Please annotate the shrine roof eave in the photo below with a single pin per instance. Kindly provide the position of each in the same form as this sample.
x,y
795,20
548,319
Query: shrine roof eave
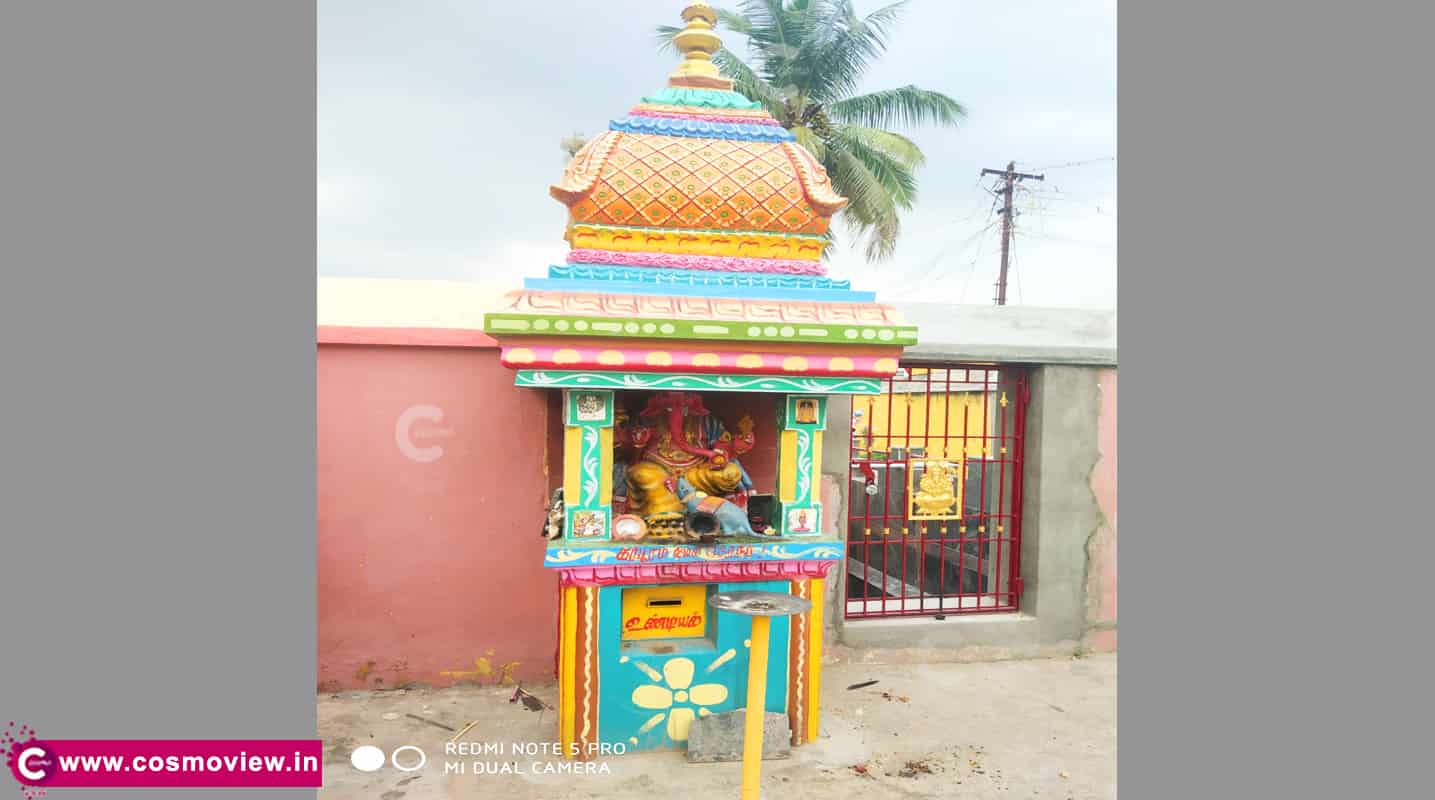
x,y
696,382
677,356
721,319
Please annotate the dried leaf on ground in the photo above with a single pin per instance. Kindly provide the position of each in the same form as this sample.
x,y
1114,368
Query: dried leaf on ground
x,y
530,702
915,768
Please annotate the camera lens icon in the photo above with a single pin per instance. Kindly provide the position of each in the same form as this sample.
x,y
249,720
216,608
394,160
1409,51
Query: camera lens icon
x,y
369,758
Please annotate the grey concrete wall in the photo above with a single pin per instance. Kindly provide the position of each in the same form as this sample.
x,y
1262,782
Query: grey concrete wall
x,y
1058,503
1060,516
1011,334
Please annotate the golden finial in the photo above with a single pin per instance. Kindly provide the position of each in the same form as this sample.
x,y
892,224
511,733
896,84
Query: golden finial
x,y
697,42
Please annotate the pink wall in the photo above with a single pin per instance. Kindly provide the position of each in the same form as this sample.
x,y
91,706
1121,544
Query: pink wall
x,y
431,490
1101,565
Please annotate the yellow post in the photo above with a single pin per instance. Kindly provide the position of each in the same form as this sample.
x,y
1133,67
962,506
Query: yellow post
x,y
787,467
756,710
814,659
568,669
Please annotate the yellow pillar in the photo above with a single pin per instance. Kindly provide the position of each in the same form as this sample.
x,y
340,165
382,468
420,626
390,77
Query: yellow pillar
x,y
573,464
567,669
756,710
787,467
814,658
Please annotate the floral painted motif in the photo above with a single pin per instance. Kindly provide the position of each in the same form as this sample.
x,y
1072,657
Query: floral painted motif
x,y
677,700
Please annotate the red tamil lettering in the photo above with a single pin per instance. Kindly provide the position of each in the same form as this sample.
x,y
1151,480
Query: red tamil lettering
x,y
664,623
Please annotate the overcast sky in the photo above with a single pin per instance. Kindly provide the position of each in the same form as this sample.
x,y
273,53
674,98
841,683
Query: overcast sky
x,y
440,122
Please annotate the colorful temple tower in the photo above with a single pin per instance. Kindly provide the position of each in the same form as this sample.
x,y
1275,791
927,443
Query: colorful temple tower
x,y
690,343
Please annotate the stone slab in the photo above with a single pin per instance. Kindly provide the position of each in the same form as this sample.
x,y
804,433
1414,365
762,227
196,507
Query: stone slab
x,y
719,737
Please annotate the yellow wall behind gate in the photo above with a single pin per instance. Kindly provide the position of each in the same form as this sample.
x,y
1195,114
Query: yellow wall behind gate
x,y
936,414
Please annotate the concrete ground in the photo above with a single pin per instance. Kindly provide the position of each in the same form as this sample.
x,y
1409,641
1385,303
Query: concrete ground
x,y
1008,729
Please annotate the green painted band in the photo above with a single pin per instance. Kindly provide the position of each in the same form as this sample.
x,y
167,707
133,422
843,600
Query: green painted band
x,y
717,330
713,383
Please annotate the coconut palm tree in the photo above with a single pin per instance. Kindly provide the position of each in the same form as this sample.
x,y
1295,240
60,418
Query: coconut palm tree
x,y
807,59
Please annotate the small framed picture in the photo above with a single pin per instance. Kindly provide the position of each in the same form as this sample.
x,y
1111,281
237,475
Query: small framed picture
x,y
806,413
802,520
592,407
589,524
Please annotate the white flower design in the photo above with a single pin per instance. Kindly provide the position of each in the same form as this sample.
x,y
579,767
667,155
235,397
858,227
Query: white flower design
x,y
679,700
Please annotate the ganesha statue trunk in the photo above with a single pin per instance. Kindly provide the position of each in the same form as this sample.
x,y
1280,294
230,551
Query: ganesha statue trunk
x,y
676,437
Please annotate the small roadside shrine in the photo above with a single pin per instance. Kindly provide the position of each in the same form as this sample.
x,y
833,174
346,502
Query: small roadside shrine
x,y
690,344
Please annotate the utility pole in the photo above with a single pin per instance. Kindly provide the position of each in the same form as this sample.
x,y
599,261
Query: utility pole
x,y
1009,176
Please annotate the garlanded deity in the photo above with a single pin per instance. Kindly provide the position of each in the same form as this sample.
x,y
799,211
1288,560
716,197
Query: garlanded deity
x,y
675,436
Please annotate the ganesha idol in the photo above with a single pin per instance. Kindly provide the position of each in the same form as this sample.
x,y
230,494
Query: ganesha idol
x,y
675,436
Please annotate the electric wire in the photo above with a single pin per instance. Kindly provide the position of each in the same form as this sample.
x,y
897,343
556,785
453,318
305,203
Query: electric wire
x,y
1073,164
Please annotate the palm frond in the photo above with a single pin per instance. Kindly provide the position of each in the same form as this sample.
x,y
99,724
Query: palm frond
x,y
831,244
664,34
811,142
769,23
867,199
733,21
903,106
871,210
776,34
880,22
894,145
842,46
727,20
882,240
895,177
804,61
749,84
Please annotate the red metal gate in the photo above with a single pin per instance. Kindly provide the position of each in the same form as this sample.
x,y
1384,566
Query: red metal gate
x,y
935,488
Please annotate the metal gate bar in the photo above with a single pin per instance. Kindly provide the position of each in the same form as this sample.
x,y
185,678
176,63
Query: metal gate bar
x,y
901,564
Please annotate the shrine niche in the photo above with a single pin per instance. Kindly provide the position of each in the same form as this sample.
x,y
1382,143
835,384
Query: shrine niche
x,y
675,440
